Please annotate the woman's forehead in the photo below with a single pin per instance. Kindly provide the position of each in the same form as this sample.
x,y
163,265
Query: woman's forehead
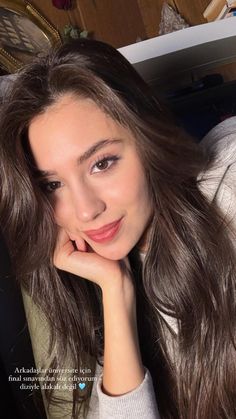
x,y
71,126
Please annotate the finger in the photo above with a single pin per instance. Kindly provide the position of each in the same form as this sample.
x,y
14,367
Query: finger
x,y
64,247
90,266
81,244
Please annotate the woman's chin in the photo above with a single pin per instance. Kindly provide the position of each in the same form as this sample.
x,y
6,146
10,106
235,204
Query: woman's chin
x,y
112,254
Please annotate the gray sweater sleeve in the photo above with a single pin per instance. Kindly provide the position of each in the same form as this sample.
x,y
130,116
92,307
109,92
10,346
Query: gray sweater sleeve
x,y
137,404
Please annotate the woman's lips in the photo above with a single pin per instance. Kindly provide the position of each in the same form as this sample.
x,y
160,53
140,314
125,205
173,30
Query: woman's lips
x,y
104,233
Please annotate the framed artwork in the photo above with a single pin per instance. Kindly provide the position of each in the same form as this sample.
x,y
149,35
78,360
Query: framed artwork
x,y
24,34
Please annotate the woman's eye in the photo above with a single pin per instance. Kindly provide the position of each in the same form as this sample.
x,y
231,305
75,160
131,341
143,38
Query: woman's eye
x,y
104,164
51,186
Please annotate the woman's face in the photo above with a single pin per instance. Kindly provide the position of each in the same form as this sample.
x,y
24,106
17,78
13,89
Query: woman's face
x,y
93,176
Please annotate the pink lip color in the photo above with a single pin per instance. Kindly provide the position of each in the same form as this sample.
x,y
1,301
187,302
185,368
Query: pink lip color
x,y
105,233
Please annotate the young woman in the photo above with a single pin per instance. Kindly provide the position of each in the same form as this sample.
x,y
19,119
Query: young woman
x,y
115,237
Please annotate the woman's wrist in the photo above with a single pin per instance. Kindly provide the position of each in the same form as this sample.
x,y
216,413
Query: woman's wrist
x,y
122,297
123,370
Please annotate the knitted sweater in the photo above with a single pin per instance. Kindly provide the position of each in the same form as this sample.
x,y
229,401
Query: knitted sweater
x,y
218,183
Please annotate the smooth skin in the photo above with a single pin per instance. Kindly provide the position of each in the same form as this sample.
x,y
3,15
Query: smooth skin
x,y
92,173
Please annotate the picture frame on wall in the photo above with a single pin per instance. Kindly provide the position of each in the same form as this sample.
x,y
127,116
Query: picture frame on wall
x,y
24,34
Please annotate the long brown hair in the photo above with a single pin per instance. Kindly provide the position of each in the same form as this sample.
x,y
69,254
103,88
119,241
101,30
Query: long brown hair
x,y
189,270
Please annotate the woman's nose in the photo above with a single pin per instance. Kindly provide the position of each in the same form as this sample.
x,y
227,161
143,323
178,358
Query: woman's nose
x,y
87,204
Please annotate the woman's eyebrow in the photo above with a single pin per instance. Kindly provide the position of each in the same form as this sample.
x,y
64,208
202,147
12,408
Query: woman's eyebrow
x,y
95,147
86,155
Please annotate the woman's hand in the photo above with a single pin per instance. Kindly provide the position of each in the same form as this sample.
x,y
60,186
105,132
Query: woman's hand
x,y
122,370
89,265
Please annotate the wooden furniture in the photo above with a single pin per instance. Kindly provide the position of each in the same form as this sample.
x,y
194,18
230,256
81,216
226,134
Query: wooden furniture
x,y
120,22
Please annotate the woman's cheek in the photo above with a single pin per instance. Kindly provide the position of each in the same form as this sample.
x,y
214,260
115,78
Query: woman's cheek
x,y
62,214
